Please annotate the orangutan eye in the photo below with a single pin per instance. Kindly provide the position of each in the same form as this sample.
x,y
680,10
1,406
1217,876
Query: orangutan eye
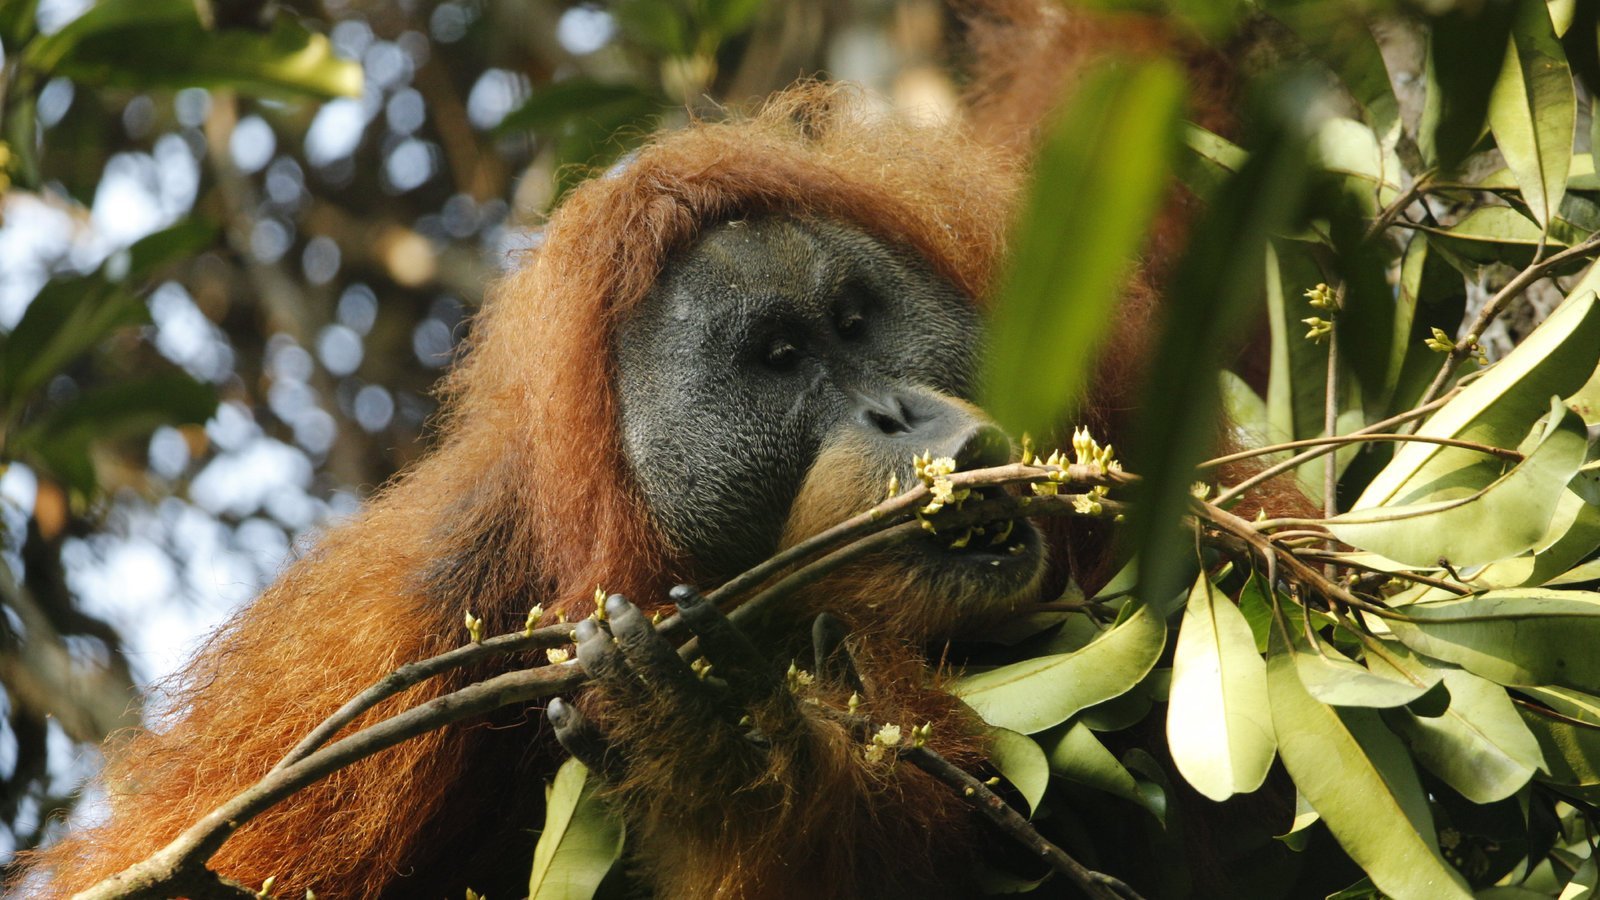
x,y
781,355
850,324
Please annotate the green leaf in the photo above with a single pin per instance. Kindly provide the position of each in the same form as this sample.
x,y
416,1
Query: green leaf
x,y
1466,47
1034,694
657,24
1332,678
1219,726
162,44
1077,755
1215,288
119,409
1573,535
1432,295
1561,14
581,840
1494,234
65,320
1020,759
1358,778
1349,149
169,245
1580,177
1099,178
1297,387
1519,636
17,23
551,105
107,17
1568,740
1299,832
1478,744
1533,111
731,16
1589,571
1471,525
1338,34
1209,161
1497,408
1584,881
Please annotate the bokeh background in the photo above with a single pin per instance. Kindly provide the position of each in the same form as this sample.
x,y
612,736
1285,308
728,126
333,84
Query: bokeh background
x,y
239,241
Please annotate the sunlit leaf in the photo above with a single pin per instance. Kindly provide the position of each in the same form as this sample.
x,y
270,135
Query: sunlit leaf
x,y
1219,727
1580,177
1471,525
581,840
1336,680
1498,408
1349,149
1518,636
1533,111
1561,14
1300,827
1478,744
1209,159
1096,185
162,43
1494,234
1034,694
1358,778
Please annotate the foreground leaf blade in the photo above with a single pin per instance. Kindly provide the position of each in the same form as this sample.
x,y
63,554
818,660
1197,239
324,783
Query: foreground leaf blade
x,y
1518,636
1219,726
580,842
1358,778
1101,173
1035,694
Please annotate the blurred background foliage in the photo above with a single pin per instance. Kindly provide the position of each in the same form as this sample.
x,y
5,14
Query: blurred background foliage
x,y
239,240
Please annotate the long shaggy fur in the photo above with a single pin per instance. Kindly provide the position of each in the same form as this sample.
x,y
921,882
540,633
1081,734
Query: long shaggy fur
x,y
524,501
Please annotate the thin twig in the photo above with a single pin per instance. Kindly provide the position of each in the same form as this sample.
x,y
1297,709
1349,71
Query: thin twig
x,y
1419,186
1357,437
1299,459
900,508
414,673
189,851
1335,558
999,813
1496,305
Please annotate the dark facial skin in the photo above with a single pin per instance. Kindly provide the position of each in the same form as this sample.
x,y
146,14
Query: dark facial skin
x,y
767,341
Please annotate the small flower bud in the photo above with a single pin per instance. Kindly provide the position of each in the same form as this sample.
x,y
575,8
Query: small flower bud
x,y
474,628
532,621
558,655
599,604
1320,328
